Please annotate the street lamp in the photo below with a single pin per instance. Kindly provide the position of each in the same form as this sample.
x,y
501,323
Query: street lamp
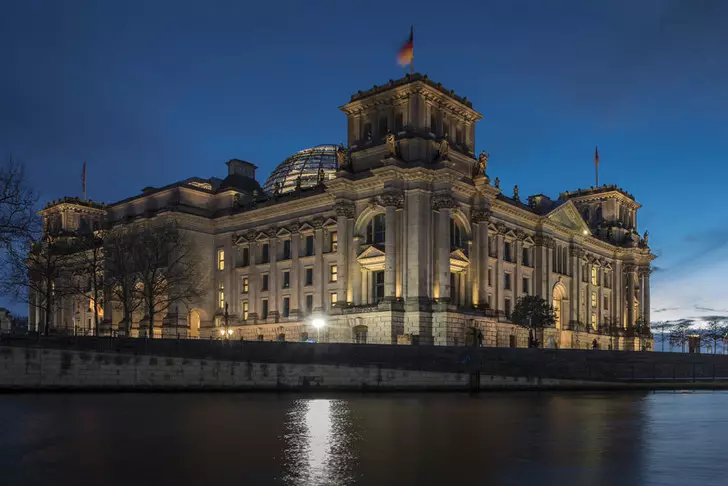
x,y
318,323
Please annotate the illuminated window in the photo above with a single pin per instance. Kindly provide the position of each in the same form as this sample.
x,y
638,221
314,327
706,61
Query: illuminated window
x,y
220,294
245,285
334,273
594,276
245,310
334,241
594,300
221,259
332,298
594,321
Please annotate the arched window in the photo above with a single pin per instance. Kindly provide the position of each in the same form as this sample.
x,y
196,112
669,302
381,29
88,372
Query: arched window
x,y
375,230
457,239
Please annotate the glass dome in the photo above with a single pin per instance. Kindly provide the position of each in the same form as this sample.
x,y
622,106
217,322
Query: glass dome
x,y
306,164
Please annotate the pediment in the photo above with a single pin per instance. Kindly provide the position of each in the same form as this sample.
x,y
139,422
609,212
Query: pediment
x,y
372,259
568,216
305,227
459,254
283,232
529,240
459,261
330,222
261,236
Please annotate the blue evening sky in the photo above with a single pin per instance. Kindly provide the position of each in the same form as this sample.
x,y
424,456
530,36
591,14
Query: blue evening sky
x,y
151,92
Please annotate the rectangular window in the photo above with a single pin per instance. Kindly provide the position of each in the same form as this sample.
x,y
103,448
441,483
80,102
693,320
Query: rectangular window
x,y
309,303
594,276
286,279
383,126
332,298
264,309
594,320
525,285
333,273
309,276
246,257
221,259
265,253
606,303
286,249
286,306
220,294
507,281
378,286
433,124
607,279
508,308
490,301
309,245
334,241
265,282
507,251
594,300
245,285
245,310
525,257
398,122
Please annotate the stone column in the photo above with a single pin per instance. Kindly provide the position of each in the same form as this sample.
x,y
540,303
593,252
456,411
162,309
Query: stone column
x,y
318,265
254,282
617,292
344,212
443,204
629,270
540,266
273,291
296,285
499,273
392,200
355,270
518,257
645,291
481,218
576,255
549,242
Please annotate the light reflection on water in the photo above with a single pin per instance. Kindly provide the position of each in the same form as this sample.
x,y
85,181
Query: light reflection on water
x,y
318,443
502,439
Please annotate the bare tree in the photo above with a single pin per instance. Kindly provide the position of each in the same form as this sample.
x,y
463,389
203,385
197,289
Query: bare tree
x,y
663,327
37,273
88,270
17,203
168,267
122,277
679,333
715,330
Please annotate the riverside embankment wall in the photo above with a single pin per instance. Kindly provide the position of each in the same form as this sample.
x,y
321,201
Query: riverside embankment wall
x,y
103,363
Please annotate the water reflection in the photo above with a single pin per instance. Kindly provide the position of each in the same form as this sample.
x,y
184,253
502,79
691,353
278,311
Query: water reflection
x,y
319,440
269,439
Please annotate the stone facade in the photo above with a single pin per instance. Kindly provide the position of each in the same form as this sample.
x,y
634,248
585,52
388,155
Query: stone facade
x,y
407,241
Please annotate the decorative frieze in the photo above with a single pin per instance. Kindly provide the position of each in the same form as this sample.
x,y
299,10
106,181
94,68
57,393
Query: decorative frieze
x,y
544,240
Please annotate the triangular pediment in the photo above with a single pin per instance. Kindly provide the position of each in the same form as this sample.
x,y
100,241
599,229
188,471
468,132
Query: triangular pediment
x,y
305,227
283,232
330,222
459,254
371,252
568,216
261,236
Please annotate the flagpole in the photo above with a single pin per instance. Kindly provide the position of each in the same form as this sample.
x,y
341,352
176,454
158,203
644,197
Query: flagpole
x,y
84,180
596,165
412,38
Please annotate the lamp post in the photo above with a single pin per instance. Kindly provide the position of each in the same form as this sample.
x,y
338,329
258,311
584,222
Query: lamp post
x,y
226,331
318,323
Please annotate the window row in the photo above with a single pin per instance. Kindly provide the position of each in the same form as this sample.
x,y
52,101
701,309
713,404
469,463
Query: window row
x,y
285,306
283,250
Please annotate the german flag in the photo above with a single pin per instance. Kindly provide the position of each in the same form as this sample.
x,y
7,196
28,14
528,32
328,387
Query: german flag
x,y
406,52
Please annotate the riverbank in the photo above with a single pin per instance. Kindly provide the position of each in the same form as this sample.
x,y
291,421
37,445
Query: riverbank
x,y
90,364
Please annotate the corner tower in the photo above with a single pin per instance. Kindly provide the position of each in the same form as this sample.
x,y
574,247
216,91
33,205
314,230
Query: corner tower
x,y
420,113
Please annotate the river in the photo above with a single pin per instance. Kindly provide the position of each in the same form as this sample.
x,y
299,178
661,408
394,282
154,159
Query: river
x,y
289,439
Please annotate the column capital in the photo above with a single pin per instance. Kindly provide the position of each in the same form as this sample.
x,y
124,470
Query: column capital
x,y
317,223
629,267
271,232
644,271
392,198
480,215
443,201
345,208
544,240
577,251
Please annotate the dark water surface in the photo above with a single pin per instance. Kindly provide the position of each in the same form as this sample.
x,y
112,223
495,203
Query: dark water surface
x,y
265,439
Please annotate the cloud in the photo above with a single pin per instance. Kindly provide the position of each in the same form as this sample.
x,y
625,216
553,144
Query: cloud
x,y
664,309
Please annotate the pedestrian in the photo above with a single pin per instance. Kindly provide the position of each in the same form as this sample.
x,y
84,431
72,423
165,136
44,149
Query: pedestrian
x,y
480,338
595,345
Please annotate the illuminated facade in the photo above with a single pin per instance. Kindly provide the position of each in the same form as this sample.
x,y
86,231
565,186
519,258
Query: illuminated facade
x,y
401,238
